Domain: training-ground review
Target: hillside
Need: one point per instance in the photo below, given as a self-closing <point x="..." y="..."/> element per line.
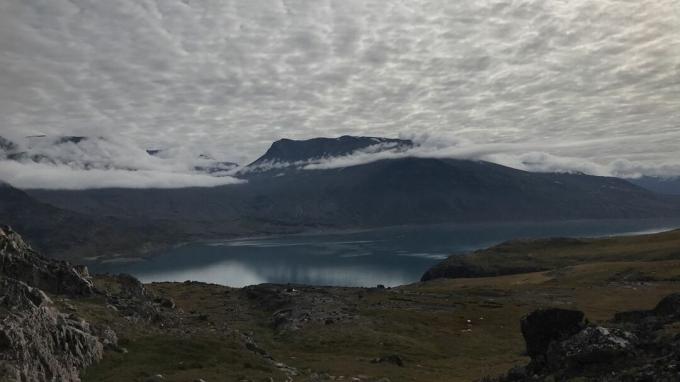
<point x="523" y="256"/>
<point x="386" y="192"/>
<point x="668" y="186"/>
<point x="442" y="330"/>
<point x="67" y="234"/>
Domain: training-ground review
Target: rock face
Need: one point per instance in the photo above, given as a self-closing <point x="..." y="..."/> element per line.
<point x="591" y="346"/>
<point x="20" y="262"/>
<point x="37" y="342"/>
<point x="635" y="346"/>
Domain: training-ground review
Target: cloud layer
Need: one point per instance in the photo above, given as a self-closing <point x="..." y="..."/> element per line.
<point x="101" y="162"/>
<point x="524" y="81"/>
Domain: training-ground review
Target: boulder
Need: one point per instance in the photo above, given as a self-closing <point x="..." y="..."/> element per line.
<point x="669" y="306"/>
<point x="394" y="359"/>
<point x="591" y="346"/>
<point x="541" y="327"/>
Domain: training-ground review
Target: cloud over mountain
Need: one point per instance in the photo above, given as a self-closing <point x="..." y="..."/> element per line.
<point x="593" y="80"/>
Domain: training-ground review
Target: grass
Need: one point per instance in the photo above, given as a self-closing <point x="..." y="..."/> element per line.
<point x="426" y="324"/>
<point x="180" y="359"/>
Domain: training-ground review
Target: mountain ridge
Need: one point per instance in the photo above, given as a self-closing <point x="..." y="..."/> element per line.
<point x="293" y="151"/>
<point x="385" y="192"/>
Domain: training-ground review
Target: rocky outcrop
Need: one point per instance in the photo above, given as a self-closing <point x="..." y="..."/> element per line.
<point x="129" y="298"/>
<point x="295" y="306"/>
<point x="37" y="342"/>
<point x="544" y="326"/>
<point x="635" y="346"/>
<point x="19" y="261"/>
<point x="591" y="346"/>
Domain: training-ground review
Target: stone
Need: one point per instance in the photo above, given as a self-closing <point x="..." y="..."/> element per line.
<point x="392" y="358"/>
<point x="593" y="345"/>
<point x="37" y="343"/>
<point x="543" y="326"/>
<point x="669" y="306"/>
<point x="20" y="262"/>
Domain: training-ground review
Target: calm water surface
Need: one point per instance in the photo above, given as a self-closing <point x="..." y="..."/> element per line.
<point x="389" y="256"/>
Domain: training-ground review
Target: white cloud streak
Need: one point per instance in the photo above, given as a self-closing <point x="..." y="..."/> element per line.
<point x="525" y="156"/>
<point x="103" y="162"/>
<point x="46" y="176"/>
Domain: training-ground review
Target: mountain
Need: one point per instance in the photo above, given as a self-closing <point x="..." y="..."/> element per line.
<point x="292" y="151"/>
<point x="385" y="192"/>
<point x="68" y="234"/>
<point x="381" y="193"/>
<point x="669" y="186"/>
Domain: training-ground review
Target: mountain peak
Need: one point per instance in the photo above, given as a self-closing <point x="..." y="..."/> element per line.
<point x="292" y="151"/>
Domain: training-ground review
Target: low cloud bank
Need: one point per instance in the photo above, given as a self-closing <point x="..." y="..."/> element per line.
<point x="105" y="162"/>
<point x="47" y="176"/>
<point x="526" y="156"/>
<point x="100" y="162"/>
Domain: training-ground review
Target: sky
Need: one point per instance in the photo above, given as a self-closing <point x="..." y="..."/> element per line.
<point x="577" y="85"/>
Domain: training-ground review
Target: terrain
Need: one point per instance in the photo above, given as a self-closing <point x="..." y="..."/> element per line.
<point x="459" y="329"/>
<point x="281" y="193"/>
<point x="669" y="185"/>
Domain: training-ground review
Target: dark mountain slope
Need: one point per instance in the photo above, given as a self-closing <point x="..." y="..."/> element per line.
<point x="669" y="186"/>
<point x="63" y="233"/>
<point x="387" y="192"/>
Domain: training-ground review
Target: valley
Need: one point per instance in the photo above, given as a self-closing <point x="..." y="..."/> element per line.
<point x="459" y="329"/>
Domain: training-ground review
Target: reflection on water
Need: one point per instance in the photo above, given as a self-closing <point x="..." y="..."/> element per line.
<point x="390" y="256"/>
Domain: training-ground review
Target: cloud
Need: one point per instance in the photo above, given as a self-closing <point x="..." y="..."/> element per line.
<point x="47" y="176"/>
<point x="228" y="77"/>
<point x="524" y="156"/>
<point x="100" y="162"/>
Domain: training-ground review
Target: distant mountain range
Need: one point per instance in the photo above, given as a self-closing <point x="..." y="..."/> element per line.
<point x="405" y="190"/>
<point x="668" y="186"/>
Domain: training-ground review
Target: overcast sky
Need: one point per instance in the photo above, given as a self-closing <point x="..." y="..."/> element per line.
<point x="593" y="80"/>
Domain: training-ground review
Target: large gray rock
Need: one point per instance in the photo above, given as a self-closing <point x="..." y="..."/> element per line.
<point x="37" y="343"/>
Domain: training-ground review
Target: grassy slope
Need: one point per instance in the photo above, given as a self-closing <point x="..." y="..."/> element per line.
<point x="545" y="254"/>
<point x="424" y="323"/>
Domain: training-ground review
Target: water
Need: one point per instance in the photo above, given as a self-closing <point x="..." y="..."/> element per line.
<point x="388" y="256"/>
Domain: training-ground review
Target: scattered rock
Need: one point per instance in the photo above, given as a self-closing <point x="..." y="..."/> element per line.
<point x="165" y="302"/>
<point x="392" y="358"/>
